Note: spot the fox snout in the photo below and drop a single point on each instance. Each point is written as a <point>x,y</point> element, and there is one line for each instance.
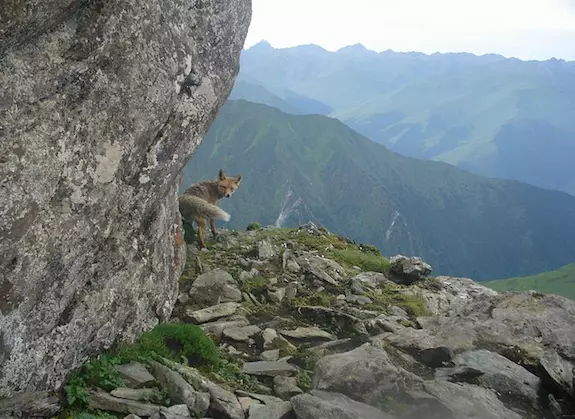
<point>228,194</point>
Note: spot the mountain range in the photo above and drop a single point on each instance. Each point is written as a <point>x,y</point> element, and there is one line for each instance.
<point>491,115</point>
<point>298,168</point>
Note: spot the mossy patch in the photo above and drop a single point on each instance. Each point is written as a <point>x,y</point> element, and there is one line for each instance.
<point>367,261</point>
<point>387,297</point>
<point>256,285</point>
<point>323,299</point>
<point>253,226</point>
<point>176,341</point>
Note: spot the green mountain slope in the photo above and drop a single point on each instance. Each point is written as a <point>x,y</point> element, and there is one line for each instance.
<point>487,114</point>
<point>298,168</point>
<point>560,281</point>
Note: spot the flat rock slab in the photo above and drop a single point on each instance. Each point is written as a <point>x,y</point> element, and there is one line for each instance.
<point>212,313</point>
<point>139,394</point>
<point>135,375</point>
<point>269,368</point>
<point>104,401</point>
<point>241,334</point>
<point>308,334</point>
<point>325,405</point>
<point>33,404</point>
<point>217,328</point>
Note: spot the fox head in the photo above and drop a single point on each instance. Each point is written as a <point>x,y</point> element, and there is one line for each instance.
<point>228,185</point>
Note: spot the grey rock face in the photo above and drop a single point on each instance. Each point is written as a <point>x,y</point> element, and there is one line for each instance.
<point>466,401</point>
<point>366,374</point>
<point>101,107</point>
<point>497,373</point>
<point>325,405</point>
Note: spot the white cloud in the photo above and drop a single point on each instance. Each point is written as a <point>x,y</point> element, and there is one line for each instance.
<point>529,29</point>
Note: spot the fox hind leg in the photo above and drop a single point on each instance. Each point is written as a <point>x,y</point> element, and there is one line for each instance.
<point>201,226</point>
<point>213,226</point>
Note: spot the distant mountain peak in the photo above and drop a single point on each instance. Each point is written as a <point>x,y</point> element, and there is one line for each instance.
<point>355,49</point>
<point>263,45</point>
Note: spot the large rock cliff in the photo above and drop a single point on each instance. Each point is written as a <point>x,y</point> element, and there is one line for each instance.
<point>101,105</point>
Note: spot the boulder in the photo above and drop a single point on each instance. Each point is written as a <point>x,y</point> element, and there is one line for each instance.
<point>467,401</point>
<point>407,270</point>
<point>322,269</point>
<point>366,374</point>
<point>418,343</point>
<point>180,391</point>
<point>214,287</point>
<point>101,108</point>
<point>493,371</point>
<point>286,387</point>
<point>135,374</point>
<point>222,402</point>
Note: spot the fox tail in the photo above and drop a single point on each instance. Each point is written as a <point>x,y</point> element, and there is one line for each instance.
<point>191,206</point>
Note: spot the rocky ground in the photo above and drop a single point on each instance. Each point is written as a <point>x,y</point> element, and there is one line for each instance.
<point>312,326</point>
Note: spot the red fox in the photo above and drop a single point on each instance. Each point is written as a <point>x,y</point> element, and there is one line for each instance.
<point>198,202</point>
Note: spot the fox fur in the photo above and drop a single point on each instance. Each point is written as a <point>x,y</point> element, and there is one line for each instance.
<point>198,202</point>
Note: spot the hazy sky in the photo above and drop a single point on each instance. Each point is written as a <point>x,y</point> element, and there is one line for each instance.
<point>527,29</point>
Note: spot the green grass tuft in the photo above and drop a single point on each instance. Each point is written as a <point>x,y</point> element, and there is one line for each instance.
<point>367,261</point>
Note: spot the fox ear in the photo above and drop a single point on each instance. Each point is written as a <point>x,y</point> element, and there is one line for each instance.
<point>238,178</point>
<point>221,175</point>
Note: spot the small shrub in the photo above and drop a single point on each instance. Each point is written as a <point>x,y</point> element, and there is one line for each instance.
<point>367,261</point>
<point>414,305</point>
<point>175,341</point>
<point>99,372</point>
<point>253,226</point>
<point>304,381</point>
<point>322,299</point>
<point>370,248</point>
<point>255,285</point>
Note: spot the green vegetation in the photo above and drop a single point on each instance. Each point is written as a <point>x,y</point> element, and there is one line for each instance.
<point>254,285</point>
<point>310,167</point>
<point>323,299</point>
<point>491,115</point>
<point>366,261</point>
<point>253,226</point>
<point>560,282</point>
<point>383,299</point>
<point>176,341</point>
